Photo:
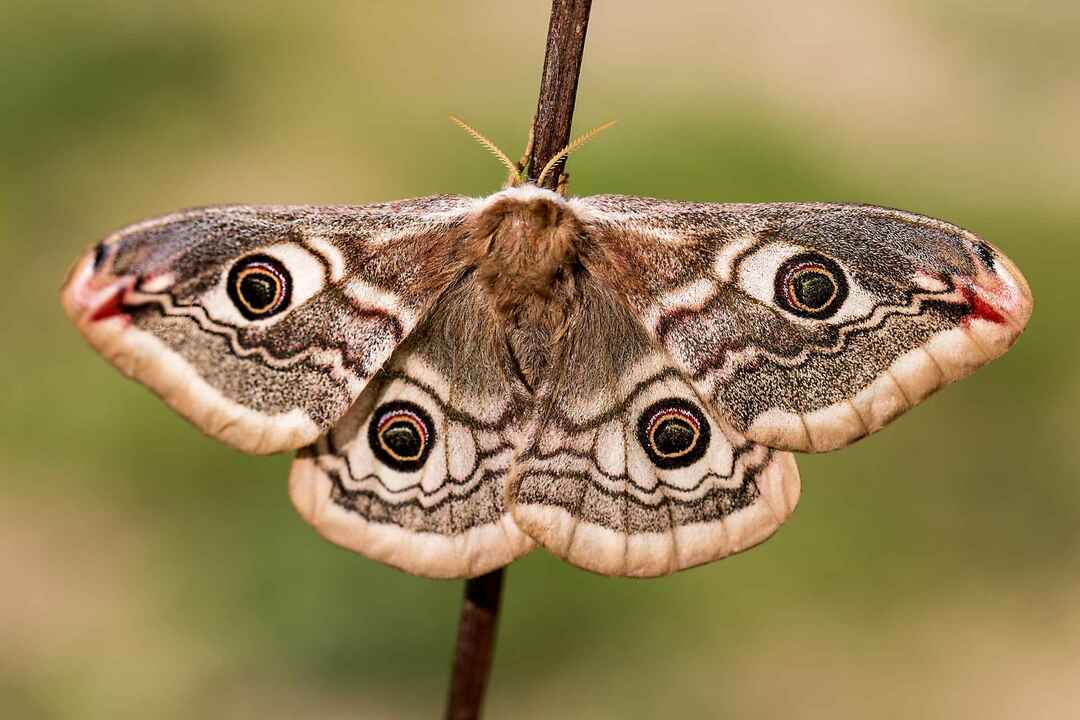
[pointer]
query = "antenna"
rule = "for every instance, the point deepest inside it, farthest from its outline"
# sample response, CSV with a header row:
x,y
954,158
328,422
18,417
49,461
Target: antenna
x,y
515,172
576,144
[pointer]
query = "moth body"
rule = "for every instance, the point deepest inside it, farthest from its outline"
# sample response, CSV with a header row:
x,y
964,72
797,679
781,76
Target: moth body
x,y
525,245
621,380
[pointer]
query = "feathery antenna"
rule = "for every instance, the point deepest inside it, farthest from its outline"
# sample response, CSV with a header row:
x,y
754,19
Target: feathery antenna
x,y
581,140
515,172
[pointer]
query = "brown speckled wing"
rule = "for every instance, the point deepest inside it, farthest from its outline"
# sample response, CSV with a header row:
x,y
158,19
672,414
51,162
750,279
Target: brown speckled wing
x,y
625,471
807,325
616,378
262,325
415,474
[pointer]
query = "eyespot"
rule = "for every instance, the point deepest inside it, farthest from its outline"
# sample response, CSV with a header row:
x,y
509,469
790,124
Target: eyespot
x,y
810,285
259,286
401,435
674,433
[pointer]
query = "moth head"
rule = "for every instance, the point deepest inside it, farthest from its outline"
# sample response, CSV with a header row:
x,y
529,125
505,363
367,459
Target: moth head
x,y
223,313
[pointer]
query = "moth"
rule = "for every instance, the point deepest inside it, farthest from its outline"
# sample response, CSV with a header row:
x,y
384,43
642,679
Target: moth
x,y
621,380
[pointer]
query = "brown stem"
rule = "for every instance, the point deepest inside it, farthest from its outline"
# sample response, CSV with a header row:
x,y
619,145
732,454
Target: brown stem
x,y
551,133
475,646
558,85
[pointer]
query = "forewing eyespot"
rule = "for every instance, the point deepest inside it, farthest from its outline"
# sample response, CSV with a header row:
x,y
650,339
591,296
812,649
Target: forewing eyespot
x,y
401,435
259,286
674,433
811,285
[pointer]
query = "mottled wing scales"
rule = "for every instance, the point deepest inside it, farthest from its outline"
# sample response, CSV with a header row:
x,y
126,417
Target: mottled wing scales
x,y
400,345
443,514
588,490
159,300
923,303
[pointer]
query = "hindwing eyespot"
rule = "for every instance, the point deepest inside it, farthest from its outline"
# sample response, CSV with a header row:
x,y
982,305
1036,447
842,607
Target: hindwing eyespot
x,y
674,433
401,435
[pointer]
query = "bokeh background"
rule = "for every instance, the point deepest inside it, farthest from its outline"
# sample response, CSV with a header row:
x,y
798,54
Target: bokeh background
x,y
146,571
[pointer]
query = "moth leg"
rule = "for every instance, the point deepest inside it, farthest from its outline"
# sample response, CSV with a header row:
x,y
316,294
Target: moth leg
x,y
564,183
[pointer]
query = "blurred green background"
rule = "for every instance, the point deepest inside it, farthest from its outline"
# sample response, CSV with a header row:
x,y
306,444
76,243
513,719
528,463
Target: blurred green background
x,y
930,571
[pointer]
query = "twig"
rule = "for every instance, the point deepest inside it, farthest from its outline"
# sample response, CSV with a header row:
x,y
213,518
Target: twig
x,y
558,84
475,646
551,133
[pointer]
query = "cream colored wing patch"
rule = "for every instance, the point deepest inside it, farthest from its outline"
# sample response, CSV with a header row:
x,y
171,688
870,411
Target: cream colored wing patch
x,y
414,475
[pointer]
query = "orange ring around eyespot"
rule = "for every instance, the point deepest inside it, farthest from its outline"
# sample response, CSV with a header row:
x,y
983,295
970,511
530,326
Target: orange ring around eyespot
x,y
800,270
263,266
795,267
265,271
413,419
672,413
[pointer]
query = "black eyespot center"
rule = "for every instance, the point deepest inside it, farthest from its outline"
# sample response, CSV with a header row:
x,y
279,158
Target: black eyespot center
x,y
672,437
401,435
403,439
259,286
813,288
674,433
259,290
810,285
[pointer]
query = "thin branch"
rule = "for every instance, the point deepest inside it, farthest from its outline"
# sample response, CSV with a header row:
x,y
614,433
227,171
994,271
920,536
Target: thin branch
x,y
475,646
558,85
551,132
